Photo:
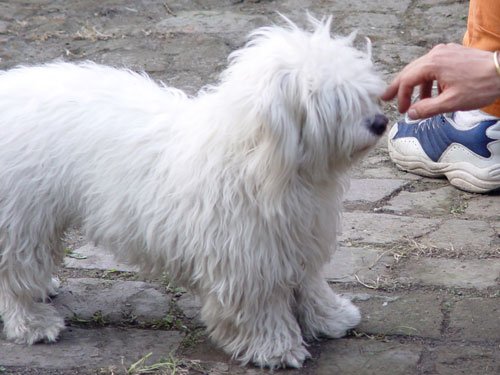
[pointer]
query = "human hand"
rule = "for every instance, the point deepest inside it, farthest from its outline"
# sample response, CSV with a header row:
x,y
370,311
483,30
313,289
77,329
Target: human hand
x,y
467,79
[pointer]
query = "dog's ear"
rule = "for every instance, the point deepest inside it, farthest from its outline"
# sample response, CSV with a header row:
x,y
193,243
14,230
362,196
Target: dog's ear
x,y
279,116
283,111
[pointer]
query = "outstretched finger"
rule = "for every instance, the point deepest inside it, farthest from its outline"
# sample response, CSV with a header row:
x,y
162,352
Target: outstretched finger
x,y
391,91
404,96
419,72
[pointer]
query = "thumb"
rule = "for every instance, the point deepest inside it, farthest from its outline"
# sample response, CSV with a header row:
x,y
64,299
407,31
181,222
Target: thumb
x,y
429,107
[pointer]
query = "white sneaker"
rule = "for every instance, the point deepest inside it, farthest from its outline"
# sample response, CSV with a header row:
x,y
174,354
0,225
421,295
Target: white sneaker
x,y
463,146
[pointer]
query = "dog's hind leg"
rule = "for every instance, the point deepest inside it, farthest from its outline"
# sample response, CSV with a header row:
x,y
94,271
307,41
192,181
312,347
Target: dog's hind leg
x,y
25,277
264,332
27,322
321,312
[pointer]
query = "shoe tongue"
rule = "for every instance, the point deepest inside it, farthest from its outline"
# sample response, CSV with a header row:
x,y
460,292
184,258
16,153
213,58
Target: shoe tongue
x,y
468,119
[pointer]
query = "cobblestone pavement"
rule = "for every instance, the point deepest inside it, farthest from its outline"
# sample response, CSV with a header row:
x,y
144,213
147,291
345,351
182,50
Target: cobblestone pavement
x,y
420,258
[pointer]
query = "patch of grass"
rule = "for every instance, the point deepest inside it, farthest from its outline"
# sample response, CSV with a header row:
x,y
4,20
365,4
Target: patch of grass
x,y
113,274
169,322
108,272
460,209
172,321
192,338
76,319
496,294
358,335
447,306
73,254
398,331
170,286
165,366
96,320
459,204
170,366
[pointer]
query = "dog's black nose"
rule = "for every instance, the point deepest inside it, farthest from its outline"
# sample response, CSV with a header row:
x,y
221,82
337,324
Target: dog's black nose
x,y
378,124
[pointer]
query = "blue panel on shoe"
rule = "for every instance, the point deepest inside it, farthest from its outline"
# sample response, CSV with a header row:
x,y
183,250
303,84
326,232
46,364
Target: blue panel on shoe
x,y
436,134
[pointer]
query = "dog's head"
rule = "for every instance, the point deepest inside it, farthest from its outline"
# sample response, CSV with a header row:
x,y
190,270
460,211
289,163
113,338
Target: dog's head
x,y
313,99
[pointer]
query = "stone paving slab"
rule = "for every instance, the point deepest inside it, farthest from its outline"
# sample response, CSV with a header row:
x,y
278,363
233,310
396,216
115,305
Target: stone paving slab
x,y
92,348
371,189
113,301
395,53
354,357
190,305
372,23
384,229
211,21
451,16
438,201
462,235
415,314
378,6
483,207
96,257
454,273
465,359
476,319
376,167
349,264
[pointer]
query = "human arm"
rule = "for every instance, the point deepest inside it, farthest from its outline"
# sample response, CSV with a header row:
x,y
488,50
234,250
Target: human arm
x,y
467,79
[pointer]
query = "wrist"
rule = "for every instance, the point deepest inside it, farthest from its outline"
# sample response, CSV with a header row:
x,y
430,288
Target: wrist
x,y
496,62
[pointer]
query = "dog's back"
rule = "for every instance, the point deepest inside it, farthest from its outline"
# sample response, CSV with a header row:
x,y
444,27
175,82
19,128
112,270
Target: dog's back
x,y
59,120
70,133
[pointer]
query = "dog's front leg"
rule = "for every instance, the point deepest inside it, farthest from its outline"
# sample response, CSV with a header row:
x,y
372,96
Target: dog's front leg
x,y
258,330
321,312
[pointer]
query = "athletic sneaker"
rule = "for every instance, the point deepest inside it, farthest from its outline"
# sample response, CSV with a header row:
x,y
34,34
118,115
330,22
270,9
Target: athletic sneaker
x,y
463,146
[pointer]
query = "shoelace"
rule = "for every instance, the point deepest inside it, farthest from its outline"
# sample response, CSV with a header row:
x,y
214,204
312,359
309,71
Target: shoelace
x,y
433,122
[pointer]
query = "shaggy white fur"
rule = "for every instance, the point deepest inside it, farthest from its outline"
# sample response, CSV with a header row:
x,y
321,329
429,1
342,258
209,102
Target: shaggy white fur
x,y
235,193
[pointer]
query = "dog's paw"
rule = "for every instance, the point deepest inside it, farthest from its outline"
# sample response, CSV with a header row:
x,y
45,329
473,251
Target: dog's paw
x,y
49,292
340,321
331,318
53,287
294,357
42,324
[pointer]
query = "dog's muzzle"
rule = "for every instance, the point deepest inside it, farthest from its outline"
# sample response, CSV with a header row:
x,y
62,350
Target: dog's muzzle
x,y
379,124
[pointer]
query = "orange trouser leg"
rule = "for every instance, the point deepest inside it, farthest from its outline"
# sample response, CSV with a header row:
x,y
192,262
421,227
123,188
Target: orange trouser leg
x,y
483,32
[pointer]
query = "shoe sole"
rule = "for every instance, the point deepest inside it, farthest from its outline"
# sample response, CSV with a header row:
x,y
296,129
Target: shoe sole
x,y
463,176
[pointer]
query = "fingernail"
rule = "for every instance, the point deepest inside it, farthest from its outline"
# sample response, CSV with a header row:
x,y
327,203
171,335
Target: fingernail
x,y
412,114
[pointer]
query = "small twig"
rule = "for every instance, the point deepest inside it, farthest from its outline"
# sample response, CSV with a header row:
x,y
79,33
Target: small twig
x,y
169,11
366,285
378,258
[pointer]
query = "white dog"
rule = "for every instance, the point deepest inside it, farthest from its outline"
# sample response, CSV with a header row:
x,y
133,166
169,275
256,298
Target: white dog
x,y
235,193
